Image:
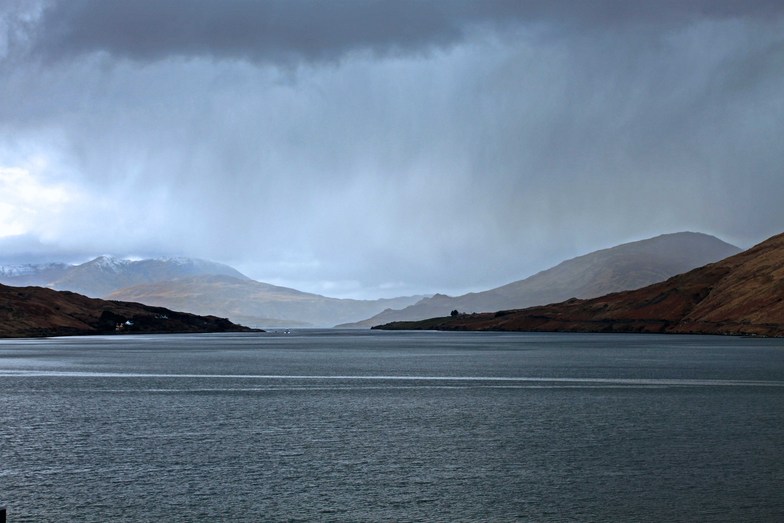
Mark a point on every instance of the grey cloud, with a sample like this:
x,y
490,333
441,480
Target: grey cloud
x,y
270,30
24,249
291,30
396,168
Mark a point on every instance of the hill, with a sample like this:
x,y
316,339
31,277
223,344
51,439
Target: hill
x,y
199,287
255,303
624,267
740,295
36,311
105,274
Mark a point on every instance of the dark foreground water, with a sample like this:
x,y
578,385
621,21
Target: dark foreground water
x,y
340,426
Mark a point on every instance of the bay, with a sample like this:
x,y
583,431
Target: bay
x,y
392,426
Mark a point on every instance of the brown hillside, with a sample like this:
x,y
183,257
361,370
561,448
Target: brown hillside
x,y
623,267
742,294
36,311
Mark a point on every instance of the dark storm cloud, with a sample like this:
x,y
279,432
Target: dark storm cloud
x,y
270,30
282,30
438,146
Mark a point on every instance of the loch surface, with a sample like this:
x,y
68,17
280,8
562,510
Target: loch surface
x,y
392,426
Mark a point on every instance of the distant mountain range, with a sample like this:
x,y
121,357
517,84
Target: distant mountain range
x,y
106,274
36,311
740,295
200,287
208,288
624,267
254,303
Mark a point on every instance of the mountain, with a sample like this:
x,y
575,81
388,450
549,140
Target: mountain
x,y
105,274
627,266
32,274
36,311
199,287
255,303
740,295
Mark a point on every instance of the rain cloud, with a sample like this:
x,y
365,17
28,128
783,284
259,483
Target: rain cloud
x,y
363,149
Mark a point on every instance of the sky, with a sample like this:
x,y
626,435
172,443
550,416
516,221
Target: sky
x,y
372,148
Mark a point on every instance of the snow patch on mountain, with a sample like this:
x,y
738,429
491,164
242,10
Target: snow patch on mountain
x,y
28,269
110,263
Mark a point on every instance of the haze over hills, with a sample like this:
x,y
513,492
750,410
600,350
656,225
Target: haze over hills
x,y
254,303
627,266
36,311
200,287
740,295
204,287
105,274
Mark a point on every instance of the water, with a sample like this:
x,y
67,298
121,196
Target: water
x,y
389,426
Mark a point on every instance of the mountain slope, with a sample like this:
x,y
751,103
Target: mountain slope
x,y
106,274
741,295
39,274
255,303
627,266
36,311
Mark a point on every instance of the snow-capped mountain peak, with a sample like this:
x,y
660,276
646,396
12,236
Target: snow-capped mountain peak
x,y
109,263
105,274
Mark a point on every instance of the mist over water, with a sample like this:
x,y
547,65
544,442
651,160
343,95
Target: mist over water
x,y
348,426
